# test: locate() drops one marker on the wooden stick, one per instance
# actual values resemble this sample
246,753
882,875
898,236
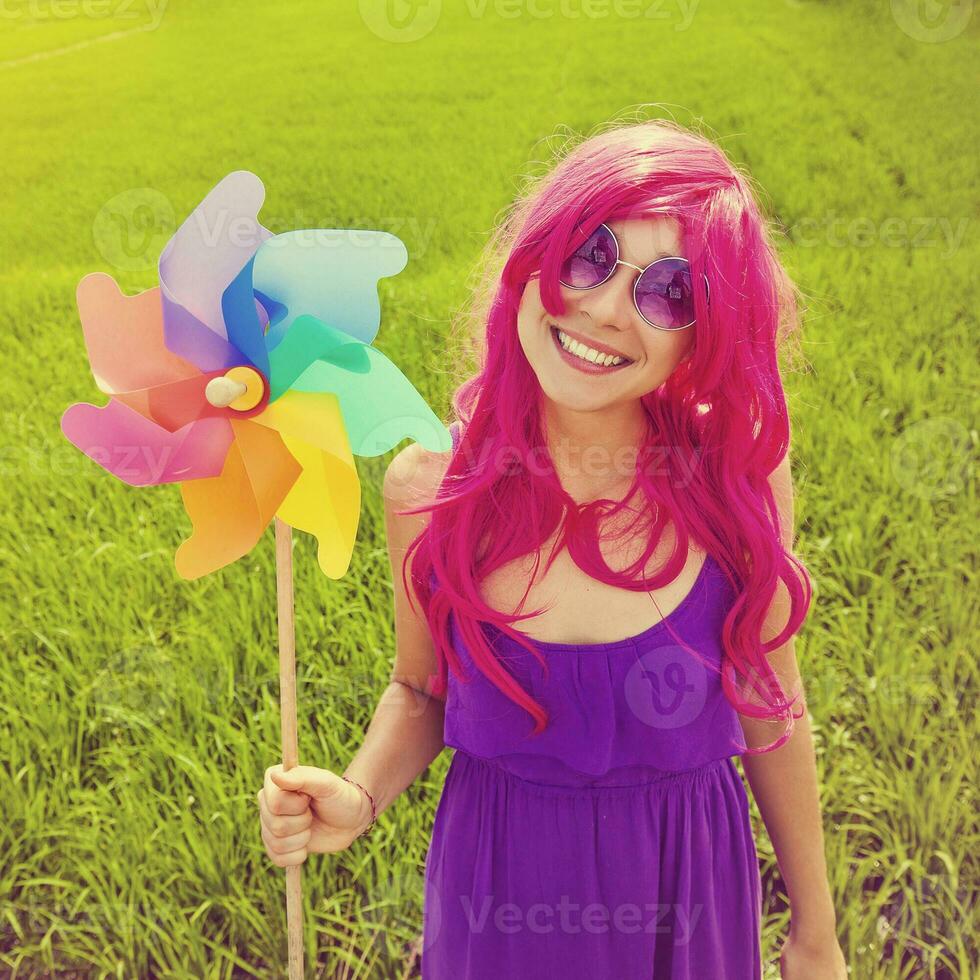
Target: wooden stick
290,746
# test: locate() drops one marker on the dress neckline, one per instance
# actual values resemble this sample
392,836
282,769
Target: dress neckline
627,643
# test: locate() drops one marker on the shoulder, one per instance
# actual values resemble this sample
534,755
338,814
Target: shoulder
781,483
414,475
781,479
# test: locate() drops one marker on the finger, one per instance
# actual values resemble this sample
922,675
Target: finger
285,845
289,860
280,825
283,801
318,783
283,823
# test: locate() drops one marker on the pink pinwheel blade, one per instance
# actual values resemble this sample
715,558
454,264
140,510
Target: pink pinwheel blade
124,337
174,405
140,452
124,340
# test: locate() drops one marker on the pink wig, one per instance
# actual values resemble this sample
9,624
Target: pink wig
723,406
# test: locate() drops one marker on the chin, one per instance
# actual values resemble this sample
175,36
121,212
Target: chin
576,398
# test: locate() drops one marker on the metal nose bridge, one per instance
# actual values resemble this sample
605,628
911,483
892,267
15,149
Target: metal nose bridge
630,264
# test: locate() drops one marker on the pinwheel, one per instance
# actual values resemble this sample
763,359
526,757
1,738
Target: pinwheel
247,376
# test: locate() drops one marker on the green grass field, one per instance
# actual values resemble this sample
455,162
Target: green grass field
140,711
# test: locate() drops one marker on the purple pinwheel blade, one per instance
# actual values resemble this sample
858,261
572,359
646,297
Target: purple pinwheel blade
206,254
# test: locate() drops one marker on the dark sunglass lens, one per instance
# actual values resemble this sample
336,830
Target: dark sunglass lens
664,295
592,262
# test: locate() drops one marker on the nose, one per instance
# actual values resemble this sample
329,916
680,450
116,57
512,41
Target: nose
611,304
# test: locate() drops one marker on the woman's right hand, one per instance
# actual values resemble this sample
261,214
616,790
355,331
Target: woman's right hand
309,811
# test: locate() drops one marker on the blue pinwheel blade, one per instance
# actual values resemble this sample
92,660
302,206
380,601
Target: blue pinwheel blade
328,273
245,329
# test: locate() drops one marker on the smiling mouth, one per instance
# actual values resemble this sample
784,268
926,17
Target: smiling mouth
583,357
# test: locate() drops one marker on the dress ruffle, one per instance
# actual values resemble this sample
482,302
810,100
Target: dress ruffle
643,702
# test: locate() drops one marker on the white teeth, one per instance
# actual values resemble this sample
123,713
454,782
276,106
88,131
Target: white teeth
587,353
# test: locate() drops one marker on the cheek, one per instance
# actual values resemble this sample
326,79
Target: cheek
677,344
665,350
530,312
525,319
685,343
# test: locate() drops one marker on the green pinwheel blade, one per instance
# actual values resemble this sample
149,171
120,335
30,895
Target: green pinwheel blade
379,404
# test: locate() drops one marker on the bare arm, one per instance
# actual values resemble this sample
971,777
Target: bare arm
784,781
784,784
405,733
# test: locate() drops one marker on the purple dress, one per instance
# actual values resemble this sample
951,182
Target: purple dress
617,844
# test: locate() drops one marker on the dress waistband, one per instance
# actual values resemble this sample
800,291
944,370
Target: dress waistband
640,777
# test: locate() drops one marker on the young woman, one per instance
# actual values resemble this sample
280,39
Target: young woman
620,489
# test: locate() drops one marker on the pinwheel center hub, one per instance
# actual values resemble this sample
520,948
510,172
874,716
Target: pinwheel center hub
240,388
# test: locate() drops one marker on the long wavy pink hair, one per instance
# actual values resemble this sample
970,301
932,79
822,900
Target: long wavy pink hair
724,406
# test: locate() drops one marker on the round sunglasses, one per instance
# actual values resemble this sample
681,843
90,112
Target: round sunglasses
662,292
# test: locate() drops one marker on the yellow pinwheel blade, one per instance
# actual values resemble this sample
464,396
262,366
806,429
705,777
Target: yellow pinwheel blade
325,500
310,416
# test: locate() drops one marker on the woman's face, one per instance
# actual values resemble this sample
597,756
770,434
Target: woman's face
605,320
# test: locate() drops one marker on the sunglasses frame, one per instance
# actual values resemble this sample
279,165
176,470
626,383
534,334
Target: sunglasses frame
636,281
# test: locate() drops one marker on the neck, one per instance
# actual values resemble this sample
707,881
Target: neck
595,452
